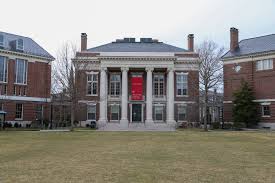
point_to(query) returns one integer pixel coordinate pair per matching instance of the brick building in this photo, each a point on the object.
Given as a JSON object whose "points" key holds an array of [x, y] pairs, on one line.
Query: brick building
{"points": [[144, 84], [251, 60], [25, 79]]}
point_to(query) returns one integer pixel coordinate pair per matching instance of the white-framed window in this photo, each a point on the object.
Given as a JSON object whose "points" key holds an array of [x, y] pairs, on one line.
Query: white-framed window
{"points": [[266, 110], [1, 40], [115, 84], [182, 84], [39, 112], [21, 71], [114, 110], [159, 113], [19, 112], [91, 112], [92, 84], [3, 89], [20, 44], [3, 69], [14, 90], [158, 83], [264, 64], [182, 112]]}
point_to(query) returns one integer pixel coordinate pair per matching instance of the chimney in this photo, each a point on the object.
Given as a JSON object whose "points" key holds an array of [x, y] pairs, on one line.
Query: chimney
{"points": [[83, 41], [234, 38], [191, 42]]}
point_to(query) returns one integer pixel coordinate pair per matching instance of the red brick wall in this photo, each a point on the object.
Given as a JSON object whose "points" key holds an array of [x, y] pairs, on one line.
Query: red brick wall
{"points": [[260, 81]]}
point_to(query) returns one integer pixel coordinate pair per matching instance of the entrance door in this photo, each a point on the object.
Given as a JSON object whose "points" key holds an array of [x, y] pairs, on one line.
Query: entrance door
{"points": [[137, 113]]}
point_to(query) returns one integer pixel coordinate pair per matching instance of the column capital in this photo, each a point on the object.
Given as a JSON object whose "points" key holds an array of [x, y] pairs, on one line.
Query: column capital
{"points": [[170, 69], [103, 68], [124, 69], [149, 69]]}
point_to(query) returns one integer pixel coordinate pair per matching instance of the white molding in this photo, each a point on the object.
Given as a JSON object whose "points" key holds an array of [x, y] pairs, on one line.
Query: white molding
{"points": [[185, 102], [31, 58], [247, 59], [92, 72], [258, 100], [22, 98], [137, 63], [137, 54]]}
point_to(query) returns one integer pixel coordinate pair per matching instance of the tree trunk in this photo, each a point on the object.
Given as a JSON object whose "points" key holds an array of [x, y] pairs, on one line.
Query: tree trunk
{"points": [[206, 109]]}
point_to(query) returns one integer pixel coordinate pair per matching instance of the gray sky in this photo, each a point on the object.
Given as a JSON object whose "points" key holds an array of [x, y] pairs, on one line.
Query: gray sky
{"points": [[53, 22]]}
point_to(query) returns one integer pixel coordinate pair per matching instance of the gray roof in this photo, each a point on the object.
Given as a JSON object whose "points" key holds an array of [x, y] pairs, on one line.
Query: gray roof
{"points": [[136, 47], [253, 46], [30, 46]]}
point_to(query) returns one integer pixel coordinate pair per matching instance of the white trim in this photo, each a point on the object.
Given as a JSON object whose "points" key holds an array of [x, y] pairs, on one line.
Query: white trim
{"points": [[266, 103], [247, 59], [34, 58], [22, 98], [91, 72], [258, 100], [138, 54], [185, 102]]}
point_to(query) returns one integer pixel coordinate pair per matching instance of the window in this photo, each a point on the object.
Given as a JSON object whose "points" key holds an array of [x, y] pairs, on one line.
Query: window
{"points": [[3, 69], [21, 71], [114, 112], [115, 85], [19, 111], [20, 44], [1, 40], [92, 83], [14, 90], [3, 89], [265, 110], [159, 111], [158, 85], [39, 112], [181, 112], [91, 112], [182, 84], [264, 64], [1, 107]]}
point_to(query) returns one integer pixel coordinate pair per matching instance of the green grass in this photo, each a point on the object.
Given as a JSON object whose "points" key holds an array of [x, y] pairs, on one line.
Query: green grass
{"points": [[129, 157]]}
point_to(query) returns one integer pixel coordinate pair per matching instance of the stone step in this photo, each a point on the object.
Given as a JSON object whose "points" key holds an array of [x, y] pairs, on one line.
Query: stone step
{"points": [[137, 127]]}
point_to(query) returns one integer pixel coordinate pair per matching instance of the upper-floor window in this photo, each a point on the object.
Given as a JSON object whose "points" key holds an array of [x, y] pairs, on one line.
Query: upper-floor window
{"points": [[92, 84], [264, 64], [182, 84], [3, 89], [158, 85], [1, 40], [115, 84], [3, 69], [20, 44], [21, 71]]}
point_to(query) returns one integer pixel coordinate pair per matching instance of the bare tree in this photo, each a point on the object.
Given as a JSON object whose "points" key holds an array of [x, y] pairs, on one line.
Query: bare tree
{"points": [[210, 73], [64, 74]]}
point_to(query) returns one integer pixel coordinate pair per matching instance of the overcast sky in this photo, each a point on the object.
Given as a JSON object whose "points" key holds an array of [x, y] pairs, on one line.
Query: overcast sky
{"points": [[53, 22]]}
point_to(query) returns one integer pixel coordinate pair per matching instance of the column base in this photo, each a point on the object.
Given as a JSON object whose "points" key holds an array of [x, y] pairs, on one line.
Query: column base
{"points": [[171, 123], [124, 123], [101, 123]]}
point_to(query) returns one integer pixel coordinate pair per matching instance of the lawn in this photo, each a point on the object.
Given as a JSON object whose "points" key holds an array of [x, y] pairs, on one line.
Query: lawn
{"points": [[129, 157]]}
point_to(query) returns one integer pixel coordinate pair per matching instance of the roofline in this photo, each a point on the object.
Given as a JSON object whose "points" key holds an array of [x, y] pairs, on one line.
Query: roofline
{"points": [[14, 34], [256, 54], [26, 55], [246, 40]]}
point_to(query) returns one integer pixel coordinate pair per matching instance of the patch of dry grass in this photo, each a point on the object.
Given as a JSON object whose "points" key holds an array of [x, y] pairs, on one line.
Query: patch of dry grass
{"points": [[129, 157]]}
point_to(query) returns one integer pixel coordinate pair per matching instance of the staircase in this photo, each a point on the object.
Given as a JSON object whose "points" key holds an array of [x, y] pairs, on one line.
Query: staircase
{"points": [[137, 127]]}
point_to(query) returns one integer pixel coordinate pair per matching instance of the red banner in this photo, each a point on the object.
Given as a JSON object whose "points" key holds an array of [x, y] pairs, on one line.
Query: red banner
{"points": [[137, 87]]}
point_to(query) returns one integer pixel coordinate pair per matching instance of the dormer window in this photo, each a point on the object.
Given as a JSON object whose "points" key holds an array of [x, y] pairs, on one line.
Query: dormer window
{"points": [[1, 40], [20, 44]]}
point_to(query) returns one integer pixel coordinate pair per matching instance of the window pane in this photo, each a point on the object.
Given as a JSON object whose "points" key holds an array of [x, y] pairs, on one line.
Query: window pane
{"points": [[2, 69], [91, 110], [20, 71], [181, 113], [18, 111], [159, 113]]}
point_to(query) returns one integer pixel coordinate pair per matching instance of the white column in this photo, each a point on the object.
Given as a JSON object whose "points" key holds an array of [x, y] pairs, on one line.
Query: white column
{"points": [[149, 96], [103, 98], [170, 97], [124, 97]]}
